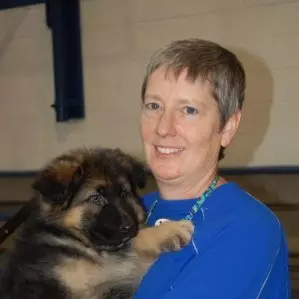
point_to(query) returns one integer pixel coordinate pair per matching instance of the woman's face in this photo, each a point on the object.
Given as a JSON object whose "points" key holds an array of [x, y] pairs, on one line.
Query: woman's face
{"points": [[180, 127]]}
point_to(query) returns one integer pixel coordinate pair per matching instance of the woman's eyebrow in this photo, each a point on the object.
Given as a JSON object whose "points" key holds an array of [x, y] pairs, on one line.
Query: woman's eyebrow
{"points": [[152, 97], [192, 101]]}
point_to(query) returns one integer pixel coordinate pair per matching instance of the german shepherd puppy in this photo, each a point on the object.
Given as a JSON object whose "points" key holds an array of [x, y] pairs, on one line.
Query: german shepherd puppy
{"points": [[85, 238]]}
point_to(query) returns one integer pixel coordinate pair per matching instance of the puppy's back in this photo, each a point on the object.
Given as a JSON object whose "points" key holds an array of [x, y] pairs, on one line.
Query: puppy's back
{"points": [[28, 269]]}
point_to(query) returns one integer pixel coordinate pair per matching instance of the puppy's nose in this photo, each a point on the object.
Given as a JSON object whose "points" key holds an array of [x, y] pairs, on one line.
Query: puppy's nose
{"points": [[125, 228], [127, 225]]}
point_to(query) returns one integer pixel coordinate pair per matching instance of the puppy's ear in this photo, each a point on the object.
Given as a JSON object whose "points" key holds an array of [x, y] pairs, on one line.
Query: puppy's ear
{"points": [[139, 173], [51, 189], [134, 168], [54, 180]]}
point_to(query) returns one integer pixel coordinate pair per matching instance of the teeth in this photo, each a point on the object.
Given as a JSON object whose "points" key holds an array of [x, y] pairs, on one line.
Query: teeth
{"points": [[166, 150]]}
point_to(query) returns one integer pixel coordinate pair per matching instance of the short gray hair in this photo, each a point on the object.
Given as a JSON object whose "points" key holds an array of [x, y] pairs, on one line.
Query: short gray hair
{"points": [[207, 61]]}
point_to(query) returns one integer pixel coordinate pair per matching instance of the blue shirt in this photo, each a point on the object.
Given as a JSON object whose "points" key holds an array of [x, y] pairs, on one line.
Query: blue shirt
{"points": [[238, 251]]}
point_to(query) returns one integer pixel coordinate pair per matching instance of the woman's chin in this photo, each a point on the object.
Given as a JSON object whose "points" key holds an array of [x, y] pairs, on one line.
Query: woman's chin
{"points": [[164, 172]]}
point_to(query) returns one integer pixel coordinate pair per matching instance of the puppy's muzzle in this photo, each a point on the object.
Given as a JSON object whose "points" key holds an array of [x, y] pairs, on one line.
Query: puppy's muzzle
{"points": [[127, 225]]}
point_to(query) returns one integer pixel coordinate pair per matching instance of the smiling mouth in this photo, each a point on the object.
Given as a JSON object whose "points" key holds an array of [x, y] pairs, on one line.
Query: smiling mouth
{"points": [[168, 150]]}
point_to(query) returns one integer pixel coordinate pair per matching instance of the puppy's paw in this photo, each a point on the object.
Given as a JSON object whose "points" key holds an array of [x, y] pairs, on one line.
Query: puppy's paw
{"points": [[178, 234], [168, 236]]}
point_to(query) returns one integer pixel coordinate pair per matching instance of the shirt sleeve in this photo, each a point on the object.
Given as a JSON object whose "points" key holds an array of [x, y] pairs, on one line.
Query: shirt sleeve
{"points": [[236, 265]]}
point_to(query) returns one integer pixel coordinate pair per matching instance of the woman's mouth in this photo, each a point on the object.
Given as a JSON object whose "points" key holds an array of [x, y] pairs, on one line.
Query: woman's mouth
{"points": [[167, 151]]}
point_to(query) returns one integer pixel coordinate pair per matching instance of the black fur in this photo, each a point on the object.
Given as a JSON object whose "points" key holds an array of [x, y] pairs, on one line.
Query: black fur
{"points": [[28, 273]]}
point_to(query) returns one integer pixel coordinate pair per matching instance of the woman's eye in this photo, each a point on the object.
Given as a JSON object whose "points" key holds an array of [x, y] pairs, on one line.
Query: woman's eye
{"points": [[97, 199], [190, 110], [152, 106]]}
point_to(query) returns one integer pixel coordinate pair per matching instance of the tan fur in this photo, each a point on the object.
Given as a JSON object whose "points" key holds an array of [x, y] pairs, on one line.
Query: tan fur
{"points": [[84, 278], [168, 236], [73, 217], [45, 207], [63, 170], [139, 211], [78, 275], [96, 182]]}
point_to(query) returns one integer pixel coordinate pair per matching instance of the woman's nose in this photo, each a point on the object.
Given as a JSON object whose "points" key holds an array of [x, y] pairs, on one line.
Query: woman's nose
{"points": [[166, 125]]}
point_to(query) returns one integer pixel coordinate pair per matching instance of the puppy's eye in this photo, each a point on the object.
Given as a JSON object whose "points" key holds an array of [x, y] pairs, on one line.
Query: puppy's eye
{"points": [[97, 199], [123, 193]]}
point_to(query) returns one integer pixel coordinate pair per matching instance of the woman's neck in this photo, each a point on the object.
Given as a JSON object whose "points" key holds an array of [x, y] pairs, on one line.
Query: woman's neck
{"points": [[187, 188]]}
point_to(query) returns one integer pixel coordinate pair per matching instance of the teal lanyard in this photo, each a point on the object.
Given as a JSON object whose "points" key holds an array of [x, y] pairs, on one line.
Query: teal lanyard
{"points": [[196, 206]]}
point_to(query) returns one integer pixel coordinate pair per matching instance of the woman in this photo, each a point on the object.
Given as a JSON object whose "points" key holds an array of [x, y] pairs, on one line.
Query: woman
{"points": [[192, 98]]}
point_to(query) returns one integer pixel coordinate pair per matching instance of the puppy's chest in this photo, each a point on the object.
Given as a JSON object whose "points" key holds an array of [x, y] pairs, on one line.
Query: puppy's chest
{"points": [[87, 279]]}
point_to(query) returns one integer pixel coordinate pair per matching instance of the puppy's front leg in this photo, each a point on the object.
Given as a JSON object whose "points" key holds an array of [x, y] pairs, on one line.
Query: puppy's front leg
{"points": [[168, 236]]}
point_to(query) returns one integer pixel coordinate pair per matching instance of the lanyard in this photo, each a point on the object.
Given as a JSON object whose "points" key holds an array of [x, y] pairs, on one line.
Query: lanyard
{"points": [[196, 206]]}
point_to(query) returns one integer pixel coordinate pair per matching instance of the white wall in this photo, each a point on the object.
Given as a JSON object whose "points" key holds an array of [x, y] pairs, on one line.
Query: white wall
{"points": [[118, 37]]}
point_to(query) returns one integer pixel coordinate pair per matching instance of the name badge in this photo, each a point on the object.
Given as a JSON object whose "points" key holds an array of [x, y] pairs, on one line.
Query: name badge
{"points": [[160, 221]]}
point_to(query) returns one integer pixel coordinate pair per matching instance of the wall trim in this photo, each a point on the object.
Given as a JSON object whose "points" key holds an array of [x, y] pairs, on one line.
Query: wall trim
{"points": [[9, 4], [256, 170]]}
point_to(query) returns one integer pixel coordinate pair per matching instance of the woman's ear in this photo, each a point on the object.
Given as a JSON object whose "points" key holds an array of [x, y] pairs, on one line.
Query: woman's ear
{"points": [[230, 128]]}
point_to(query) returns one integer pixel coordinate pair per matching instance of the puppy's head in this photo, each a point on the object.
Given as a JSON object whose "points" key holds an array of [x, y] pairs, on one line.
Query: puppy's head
{"points": [[94, 192]]}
